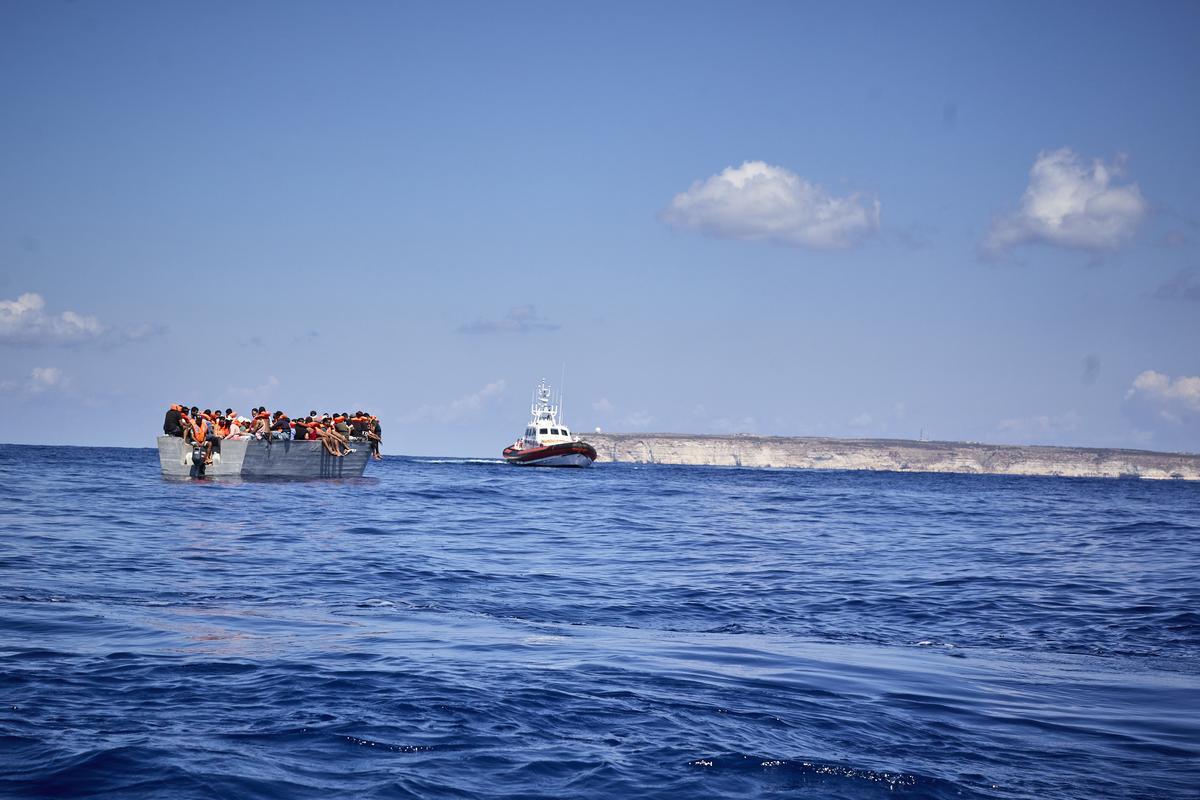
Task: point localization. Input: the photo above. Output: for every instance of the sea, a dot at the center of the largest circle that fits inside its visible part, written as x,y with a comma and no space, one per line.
461,628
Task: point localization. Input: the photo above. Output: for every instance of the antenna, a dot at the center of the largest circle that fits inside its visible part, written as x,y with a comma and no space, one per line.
562,384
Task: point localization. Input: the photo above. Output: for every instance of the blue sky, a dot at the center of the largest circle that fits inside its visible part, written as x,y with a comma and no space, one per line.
976,221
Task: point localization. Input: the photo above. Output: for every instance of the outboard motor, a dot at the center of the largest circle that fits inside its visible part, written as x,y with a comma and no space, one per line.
197,470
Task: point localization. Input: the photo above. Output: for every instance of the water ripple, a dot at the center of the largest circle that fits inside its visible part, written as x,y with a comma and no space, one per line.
459,628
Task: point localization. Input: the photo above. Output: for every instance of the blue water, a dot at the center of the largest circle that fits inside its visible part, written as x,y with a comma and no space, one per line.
456,628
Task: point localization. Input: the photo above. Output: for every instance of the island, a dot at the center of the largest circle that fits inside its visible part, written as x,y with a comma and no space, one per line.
891,455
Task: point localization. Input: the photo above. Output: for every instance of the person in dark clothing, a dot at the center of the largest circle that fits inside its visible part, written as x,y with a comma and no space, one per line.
375,435
173,422
281,426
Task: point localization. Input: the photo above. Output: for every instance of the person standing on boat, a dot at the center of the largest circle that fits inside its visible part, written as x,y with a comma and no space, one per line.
375,434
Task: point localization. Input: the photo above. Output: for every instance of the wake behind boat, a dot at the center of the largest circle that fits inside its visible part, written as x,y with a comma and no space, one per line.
547,442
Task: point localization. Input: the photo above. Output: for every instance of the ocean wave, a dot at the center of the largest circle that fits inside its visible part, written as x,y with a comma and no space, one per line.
451,627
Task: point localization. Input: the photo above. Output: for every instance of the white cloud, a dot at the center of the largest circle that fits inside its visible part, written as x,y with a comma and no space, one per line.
757,201
1182,394
461,408
26,322
40,380
603,406
1165,410
1070,204
519,319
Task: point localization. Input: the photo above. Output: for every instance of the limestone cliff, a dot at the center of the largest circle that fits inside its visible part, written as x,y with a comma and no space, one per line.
895,455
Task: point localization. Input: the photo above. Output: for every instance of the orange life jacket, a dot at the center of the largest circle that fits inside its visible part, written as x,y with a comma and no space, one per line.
200,430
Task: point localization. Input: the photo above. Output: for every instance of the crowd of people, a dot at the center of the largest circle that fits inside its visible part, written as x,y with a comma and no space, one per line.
336,432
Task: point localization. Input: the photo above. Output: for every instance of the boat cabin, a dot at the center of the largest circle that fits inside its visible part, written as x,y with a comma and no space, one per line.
552,432
544,428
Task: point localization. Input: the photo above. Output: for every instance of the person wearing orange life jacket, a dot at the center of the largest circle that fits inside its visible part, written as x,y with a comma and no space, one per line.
214,439
198,430
281,426
329,437
198,434
363,426
260,423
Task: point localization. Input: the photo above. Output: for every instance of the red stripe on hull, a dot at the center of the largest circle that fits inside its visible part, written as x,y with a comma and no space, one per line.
533,455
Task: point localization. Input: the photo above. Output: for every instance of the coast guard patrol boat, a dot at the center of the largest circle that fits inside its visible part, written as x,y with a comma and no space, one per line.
548,442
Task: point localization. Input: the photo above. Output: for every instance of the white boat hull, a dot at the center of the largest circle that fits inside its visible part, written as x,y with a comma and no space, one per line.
568,460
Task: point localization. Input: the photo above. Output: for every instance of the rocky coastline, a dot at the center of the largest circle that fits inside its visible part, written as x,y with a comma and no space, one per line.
891,455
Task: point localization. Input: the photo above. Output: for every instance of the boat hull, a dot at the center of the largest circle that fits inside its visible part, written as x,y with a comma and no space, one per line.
565,454
260,458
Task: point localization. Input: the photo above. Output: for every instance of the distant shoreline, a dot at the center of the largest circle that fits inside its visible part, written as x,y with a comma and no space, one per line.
892,455
873,455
